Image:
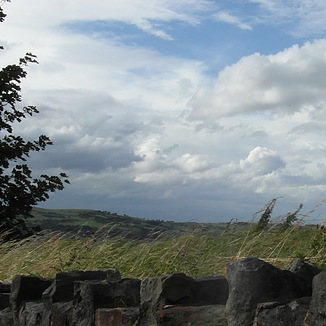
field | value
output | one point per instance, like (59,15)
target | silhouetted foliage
(290,218)
(2,14)
(19,191)
(265,216)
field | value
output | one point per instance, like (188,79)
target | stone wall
(254,293)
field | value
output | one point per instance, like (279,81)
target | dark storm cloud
(69,158)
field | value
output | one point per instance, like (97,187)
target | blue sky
(180,110)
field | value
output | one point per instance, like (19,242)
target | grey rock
(211,290)
(24,289)
(4,300)
(212,315)
(317,311)
(91,295)
(62,290)
(30,314)
(156,292)
(305,272)
(256,293)
(125,293)
(61,314)
(5,287)
(282,313)
(116,316)
(6,318)
(254,281)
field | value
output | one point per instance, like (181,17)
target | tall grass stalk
(195,254)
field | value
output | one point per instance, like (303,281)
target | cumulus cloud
(161,166)
(92,134)
(191,163)
(262,161)
(117,111)
(289,81)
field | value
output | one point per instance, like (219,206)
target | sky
(183,110)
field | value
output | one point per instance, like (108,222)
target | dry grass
(194,254)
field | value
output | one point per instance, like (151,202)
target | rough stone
(61,314)
(116,316)
(125,293)
(211,290)
(5,287)
(62,290)
(254,281)
(91,295)
(305,272)
(6,318)
(30,314)
(156,292)
(24,289)
(282,313)
(213,315)
(316,315)
(4,300)
(83,314)
(4,295)
(260,295)
(27,288)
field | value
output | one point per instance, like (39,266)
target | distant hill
(85,222)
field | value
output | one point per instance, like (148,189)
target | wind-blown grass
(195,254)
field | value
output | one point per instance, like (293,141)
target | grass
(196,254)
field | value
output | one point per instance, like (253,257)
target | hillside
(99,240)
(87,222)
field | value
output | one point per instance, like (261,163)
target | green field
(190,249)
(101,222)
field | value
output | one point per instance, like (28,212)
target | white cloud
(147,15)
(262,161)
(117,111)
(301,17)
(226,17)
(191,163)
(133,75)
(289,81)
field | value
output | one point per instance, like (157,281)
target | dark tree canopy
(2,14)
(19,190)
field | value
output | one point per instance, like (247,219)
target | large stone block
(305,272)
(62,290)
(125,293)
(317,310)
(4,295)
(157,292)
(4,300)
(116,316)
(61,314)
(213,315)
(254,281)
(5,287)
(291,313)
(211,290)
(6,317)
(25,289)
(91,295)
(30,314)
